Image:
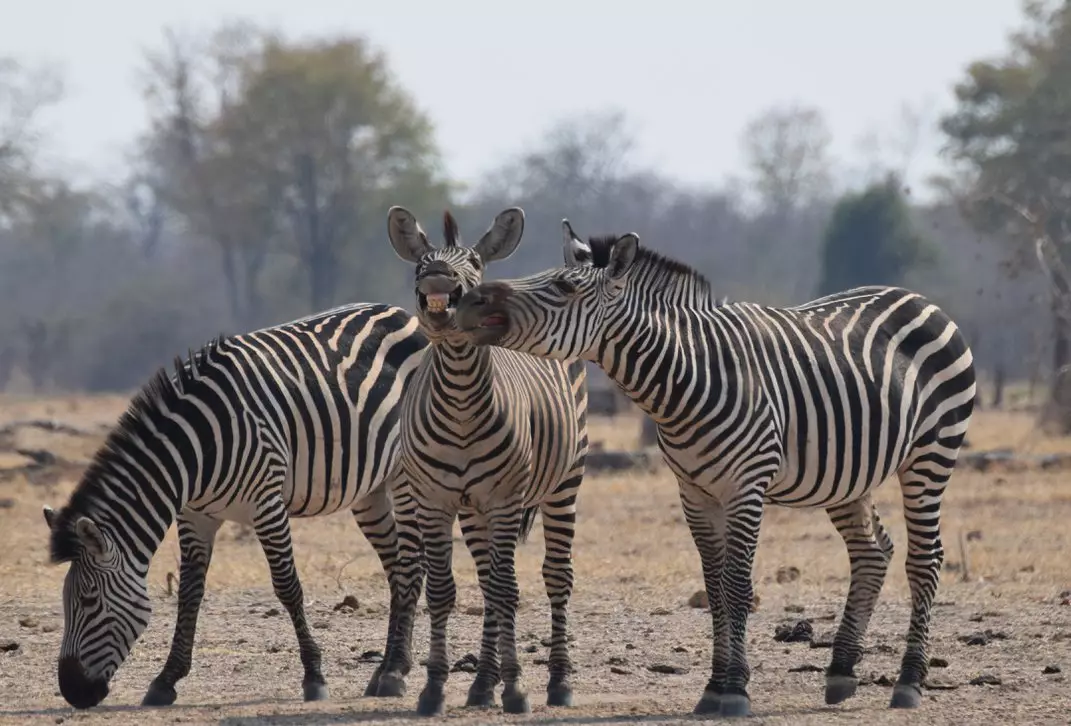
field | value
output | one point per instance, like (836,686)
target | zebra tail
(528,517)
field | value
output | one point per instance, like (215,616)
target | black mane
(163,388)
(603,245)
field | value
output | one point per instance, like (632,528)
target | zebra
(296,420)
(489,437)
(806,406)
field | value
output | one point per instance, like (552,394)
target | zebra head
(105,605)
(559,313)
(444,274)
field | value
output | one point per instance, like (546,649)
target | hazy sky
(494,75)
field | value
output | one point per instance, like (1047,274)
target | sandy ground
(636,568)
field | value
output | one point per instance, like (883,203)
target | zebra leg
(922,483)
(706,520)
(272,525)
(869,550)
(743,516)
(375,517)
(437,529)
(488,673)
(196,534)
(559,523)
(505,528)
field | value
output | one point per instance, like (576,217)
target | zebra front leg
(375,517)
(743,516)
(505,528)
(488,673)
(437,530)
(272,525)
(196,534)
(869,552)
(559,525)
(706,520)
(923,484)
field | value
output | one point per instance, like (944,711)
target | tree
(24,93)
(786,149)
(871,240)
(272,148)
(1010,137)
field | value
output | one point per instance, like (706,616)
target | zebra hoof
(906,695)
(709,704)
(315,691)
(734,705)
(390,685)
(516,702)
(159,694)
(560,694)
(432,702)
(840,688)
(480,696)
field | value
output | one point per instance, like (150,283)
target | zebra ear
(50,515)
(577,252)
(406,236)
(91,537)
(501,239)
(623,255)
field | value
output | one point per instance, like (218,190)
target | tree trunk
(1057,414)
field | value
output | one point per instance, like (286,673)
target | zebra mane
(163,388)
(675,271)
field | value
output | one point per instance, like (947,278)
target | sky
(495,75)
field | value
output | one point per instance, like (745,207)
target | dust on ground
(1001,621)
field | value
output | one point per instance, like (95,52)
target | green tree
(273,150)
(1010,139)
(871,240)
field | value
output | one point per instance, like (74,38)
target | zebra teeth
(437,302)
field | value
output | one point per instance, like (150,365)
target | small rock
(1050,669)
(668,669)
(271,613)
(371,656)
(630,646)
(806,668)
(618,670)
(466,664)
(321,625)
(938,663)
(787,574)
(349,602)
(680,649)
(974,535)
(540,661)
(983,638)
(661,611)
(616,660)
(28,622)
(939,684)
(8,646)
(825,640)
(7,503)
(274,649)
(1027,569)
(474,610)
(799,632)
(794,608)
(699,600)
(986,679)
(531,648)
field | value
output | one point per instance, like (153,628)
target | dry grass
(635,570)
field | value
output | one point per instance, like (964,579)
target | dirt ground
(636,569)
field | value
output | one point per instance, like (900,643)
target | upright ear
(406,236)
(622,256)
(502,237)
(91,537)
(50,515)
(577,252)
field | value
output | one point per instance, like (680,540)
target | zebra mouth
(439,306)
(494,321)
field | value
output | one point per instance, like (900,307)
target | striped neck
(462,377)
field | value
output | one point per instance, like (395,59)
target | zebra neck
(462,378)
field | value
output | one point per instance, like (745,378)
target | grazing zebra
(489,437)
(297,420)
(809,406)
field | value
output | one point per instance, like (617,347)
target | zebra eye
(565,287)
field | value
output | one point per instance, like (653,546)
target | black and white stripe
(488,436)
(810,406)
(296,420)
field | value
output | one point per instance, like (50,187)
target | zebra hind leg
(559,525)
(922,481)
(488,673)
(437,530)
(272,525)
(196,534)
(869,552)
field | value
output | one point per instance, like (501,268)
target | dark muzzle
(77,689)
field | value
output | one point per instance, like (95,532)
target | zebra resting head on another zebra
(808,406)
(295,420)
